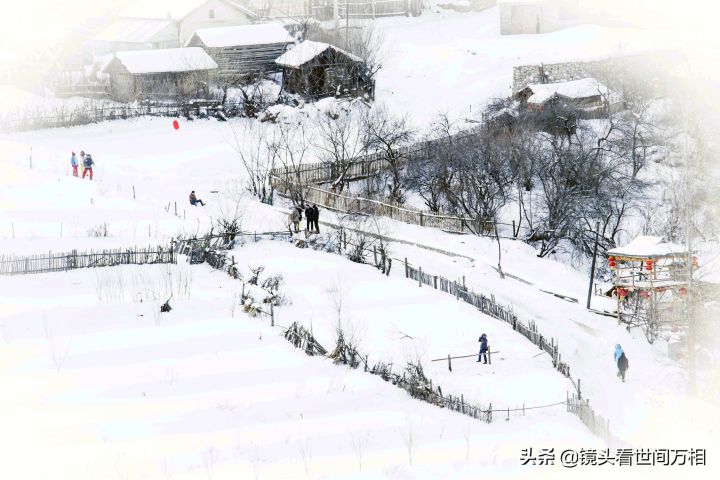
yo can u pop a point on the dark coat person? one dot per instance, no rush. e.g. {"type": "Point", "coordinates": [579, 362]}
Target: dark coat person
{"type": "Point", "coordinates": [623, 366]}
{"type": "Point", "coordinates": [483, 348]}
{"type": "Point", "coordinates": [194, 200]}
{"type": "Point", "coordinates": [309, 215]}
{"type": "Point", "coordinates": [316, 217]}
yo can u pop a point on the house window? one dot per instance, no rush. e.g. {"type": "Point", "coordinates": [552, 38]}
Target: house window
{"type": "Point", "coordinates": [211, 13]}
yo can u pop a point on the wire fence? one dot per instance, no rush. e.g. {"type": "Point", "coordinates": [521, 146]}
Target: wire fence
{"type": "Point", "coordinates": [62, 262]}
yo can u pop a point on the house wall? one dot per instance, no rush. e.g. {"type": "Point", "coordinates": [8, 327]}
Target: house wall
{"type": "Point", "coordinates": [225, 16]}
{"type": "Point", "coordinates": [122, 86]}
{"type": "Point", "coordinates": [246, 60]}
{"type": "Point", "coordinates": [537, 17]}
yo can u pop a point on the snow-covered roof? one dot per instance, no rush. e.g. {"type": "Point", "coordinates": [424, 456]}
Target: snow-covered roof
{"type": "Point", "coordinates": [133, 30]}
{"type": "Point", "coordinates": [267, 33]}
{"type": "Point", "coordinates": [166, 60]}
{"type": "Point", "coordinates": [648, 246]}
{"type": "Point", "coordinates": [173, 9]}
{"type": "Point", "coordinates": [306, 51]}
{"type": "Point", "coordinates": [583, 88]}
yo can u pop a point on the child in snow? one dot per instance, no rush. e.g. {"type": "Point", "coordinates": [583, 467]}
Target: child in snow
{"type": "Point", "coordinates": [88, 163]}
{"type": "Point", "coordinates": [194, 200]}
{"type": "Point", "coordinates": [483, 348]}
{"type": "Point", "coordinates": [296, 218]}
{"type": "Point", "coordinates": [74, 164]}
{"type": "Point", "coordinates": [82, 162]}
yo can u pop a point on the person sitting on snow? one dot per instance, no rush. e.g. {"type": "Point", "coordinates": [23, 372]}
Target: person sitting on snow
{"type": "Point", "coordinates": [194, 200]}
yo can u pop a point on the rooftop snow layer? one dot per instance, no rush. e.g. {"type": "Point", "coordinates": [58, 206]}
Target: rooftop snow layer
{"type": "Point", "coordinates": [133, 30]}
{"type": "Point", "coordinates": [171, 9]}
{"type": "Point", "coordinates": [267, 33]}
{"type": "Point", "coordinates": [586, 87]}
{"type": "Point", "coordinates": [648, 246]}
{"type": "Point", "coordinates": [166, 60]}
{"type": "Point", "coordinates": [306, 51]}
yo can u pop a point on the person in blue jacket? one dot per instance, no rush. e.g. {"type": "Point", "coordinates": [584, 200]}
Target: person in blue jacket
{"type": "Point", "coordinates": [74, 164]}
{"type": "Point", "coordinates": [621, 361]}
{"type": "Point", "coordinates": [483, 348]}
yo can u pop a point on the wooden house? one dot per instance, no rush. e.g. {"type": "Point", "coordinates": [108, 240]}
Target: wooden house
{"type": "Point", "coordinates": [177, 73]}
{"type": "Point", "coordinates": [243, 51]}
{"type": "Point", "coordinates": [168, 23]}
{"type": "Point", "coordinates": [587, 95]}
{"type": "Point", "coordinates": [316, 70]}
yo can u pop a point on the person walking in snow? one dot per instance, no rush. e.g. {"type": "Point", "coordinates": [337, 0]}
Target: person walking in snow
{"type": "Point", "coordinates": [621, 361]}
{"type": "Point", "coordinates": [483, 348]}
{"type": "Point", "coordinates": [623, 366]}
{"type": "Point", "coordinates": [316, 217]}
{"type": "Point", "coordinates": [194, 200]}
{"type": "Point", "coordinates": [88, 162]}
{"type": "Point", "coordinates": [74, 164]}
{"type": "Point", "coordinates": [309, 213]}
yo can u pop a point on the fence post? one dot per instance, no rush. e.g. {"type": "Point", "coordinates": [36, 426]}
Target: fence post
{"type": "Point", "coordinates": [176, 209]}
{"type": "Point", "coordinates": [272, 315]}
{"type": "Point", "coordinates": [464, 283]}
{"type": "Point", "coordinates": [419, 276]}
{"type": "Point", "coordinates": [449, 363]}
{"type": "Point", "coordinates": [407, 274]}
{"type": "Point", "coordinates": [133, 192]}
{"type": "Point", "coordinates": [457, 291]}
{"type": "Point", "coordinates": [435, 281]}
{"type": "Point", "coordinates": [421, 220]}
{"type": "Point", "coordinates": [579, 391]}
{"type": "Point", "coordinates": [489, 356]}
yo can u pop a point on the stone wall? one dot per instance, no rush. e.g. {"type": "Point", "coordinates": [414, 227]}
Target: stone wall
{"type": "Point", "coordinates": [525, 75]}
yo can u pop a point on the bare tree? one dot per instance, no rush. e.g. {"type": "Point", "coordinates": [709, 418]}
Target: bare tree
{"type": "Point", "coordinates": [249, 140]}
{"type": "Point", "coordinates": [287, 147]}
{"type": "Point", "coordinates": [341, 140]}
{"type": "Point", "coordinates": [388, 135]}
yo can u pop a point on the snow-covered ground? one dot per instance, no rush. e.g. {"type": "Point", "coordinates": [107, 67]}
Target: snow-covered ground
{"type": "Point", "coordinates": [103, 387]}
{"type": "Point", "coordinates": [99, 386]}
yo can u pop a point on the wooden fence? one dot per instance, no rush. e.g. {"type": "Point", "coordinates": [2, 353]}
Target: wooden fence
{"type": "Point", "coordinates": [576, 405]}
{"type": "Point", "coordinates": [99, 112]}
{"type": "Point", "coordinates": [62, 262]}
{"type": "Point", "coordinates": [417, 385]}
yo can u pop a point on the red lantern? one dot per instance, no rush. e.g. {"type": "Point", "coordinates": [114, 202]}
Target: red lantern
{"type": "Point", "coordinates": [648, 265]}
{"type": "Point", "coordinates": [176, 124]}
{"type": "Point", "coordinates": [622, 293]}
{"type": "Point", "coordinates": [612, 264]}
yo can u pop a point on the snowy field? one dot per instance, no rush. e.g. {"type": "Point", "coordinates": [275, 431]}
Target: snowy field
{"type": "Point", "coordinates": [98, 385]}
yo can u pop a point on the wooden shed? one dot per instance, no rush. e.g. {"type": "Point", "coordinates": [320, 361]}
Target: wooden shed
{"type": "Point", "coordinates": [177, 73]}
{"type": "Point", "coordinates": [244, 50]}
{"type": "Point", "coordinates": [587, 95]}
{"type": "Point", "coordinates": [316, 70]}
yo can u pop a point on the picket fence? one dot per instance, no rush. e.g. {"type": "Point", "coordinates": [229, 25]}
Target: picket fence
{"type": "Point", "coordinates": [62, 262]}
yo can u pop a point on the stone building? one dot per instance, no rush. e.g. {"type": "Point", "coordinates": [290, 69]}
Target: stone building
{"type": "Point", "coordinates": [537, 16]}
